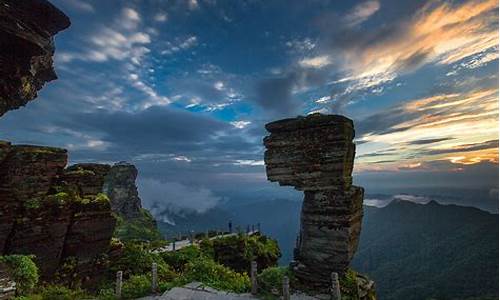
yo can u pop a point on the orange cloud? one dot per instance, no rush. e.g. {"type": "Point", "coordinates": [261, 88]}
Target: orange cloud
{"type": "Point", "coordinates": [463, 129]}
{"type": "Point", "coordinates": [438, 33]}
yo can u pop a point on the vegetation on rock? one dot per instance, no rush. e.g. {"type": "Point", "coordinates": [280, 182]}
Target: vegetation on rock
{"type": "Point", "coordinates": [237, 252]}
{"type": "Point", "coordinates": [207, 271]}
{"type": "Point", "coordinates": [271, 281]}
{"type": "Point", "coordinates": [23, 270]}
{"type": "Point", "coordinates": [142, 227]}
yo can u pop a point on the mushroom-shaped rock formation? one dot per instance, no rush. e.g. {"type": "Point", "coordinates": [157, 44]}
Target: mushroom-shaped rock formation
{"type": "Point", "coordinates": [315, 154]}
{"type": "Point", "coordinates": [27, 28]}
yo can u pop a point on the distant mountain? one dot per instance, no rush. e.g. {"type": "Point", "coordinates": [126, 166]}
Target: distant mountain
{"type": "Point", "coordinates": [484, 199]}
{"type": "Point", "coordinates": [430, 251]}
{"type": "Point", "coordinates": [412, 251]}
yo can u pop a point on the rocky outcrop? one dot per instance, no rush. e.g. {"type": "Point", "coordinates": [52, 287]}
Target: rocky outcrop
{"type": "Point", "coordinates": [120, 187]}
{"type": "Point", "coordinates": [47, 210]}
{"type": "Point", "coordinates": [27, 30]}
{"type": "Point", "coordinates": [315, 154]}
{"type": "Point", "coordinates": [57, 214]}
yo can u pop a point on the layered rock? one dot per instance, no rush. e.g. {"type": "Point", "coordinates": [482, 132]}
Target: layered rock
{"type": "Point", "coordinates": [120, 187]}
{"type": "Point", "coordinates": [47, 211]}
{"type": "Point", "coordinates": [315, 154]}
{"type": "Point", "coordinates": [27, 30]}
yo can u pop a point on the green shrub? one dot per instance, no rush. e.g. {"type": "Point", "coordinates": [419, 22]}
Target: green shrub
{"type": "Point", "coordinates": [349, 284]}
{"type": "Point", "coordinates": [271, 279]}
{"type": "Point", "coordinates": [106, 294]}
{"type": "Point", "coordinates": [179, 259]}
{"type": "Point", "coordinates": [136, 286]}
{"type": "Point", "coordinates": [209, 272]}
{"type": "Point", "coordinates": [23, 271]}
{"type": "Point", "coordinates": [32, 297]}
{"type": "Point", "coordinates": [56, 292]}
{"type": "Point", "coordinates": [137, 259]}
{"type": "Point", "coordinates": [102, 198]}
{"type": "Point", "coordinates": [237, 252]}
{"type": "Point", "coordinates": [142, 228]}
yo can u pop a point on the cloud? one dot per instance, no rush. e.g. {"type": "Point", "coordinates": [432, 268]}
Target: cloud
{"type": "Point", "coordinates": [241, 124]}
{"type": "Point", "coordinates": [315, 62]}
{"type": "Point", "coordinates": [357, 61]}
{"type": "Point", "coordinates": [459, 127]}
{"type": "Point", "coordinates": [301, 45]}
{"type": "Point", "coordinates": [153, 99]}
{"type": "Point", "coordinates": [193, 4]}
{"type": "Point", "coordinates": [130, 18]}
{"type": "Point", "coordinates": [81, 5]}
{"type": "Point", "coordinates": [155, 128]}
{"type": "Point", "coordinates": [276, 94]}
{"type": "Point", "coordinates": [429, 141]}
{"type": "Point", "coordinates": [487, 145]}
{"type": "Point", "coordinates": [163, 197]}
{"type": "Point", "coordinates": [361, 12]}
{"type": "Point", "coordinates": [179, 45]}
{"type": "Point", "coordinates": [437, 33]}
{"type": "Point", "coordinates": [161, 17]}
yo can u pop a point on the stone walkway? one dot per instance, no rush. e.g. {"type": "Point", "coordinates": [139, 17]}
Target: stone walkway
{"type": "Point", "coordinates": [197, 291]}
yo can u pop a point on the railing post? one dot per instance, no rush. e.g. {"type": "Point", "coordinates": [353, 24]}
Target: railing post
{"type": "Point", "coordinates": [335, 286]}
{"type": "Point", "coordinates": [253, 277]}
{"type": "Point", "coordinates": [230, 225]}
{"type": "Point", "coordinates": [154, 278]}
{"type": "Point", "coordinates": [118, 288]}
{"type": "Point", "coordinates": [173, 245]}
{"type": "Point", "coordinates": [286, 288]}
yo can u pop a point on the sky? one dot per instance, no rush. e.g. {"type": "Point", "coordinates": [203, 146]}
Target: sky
{"type": "Point", "coordinates": [183, 89]}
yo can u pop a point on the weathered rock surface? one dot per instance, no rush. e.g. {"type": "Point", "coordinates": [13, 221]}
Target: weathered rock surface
{"type": "Point", "coordinates": [27, 30]}
{"type": "Point", "coordinates": [315, 154]}
{"type": "Point", "coordinates": [120, 187]}
{"type": "Point", "coordinates": [47, 211]}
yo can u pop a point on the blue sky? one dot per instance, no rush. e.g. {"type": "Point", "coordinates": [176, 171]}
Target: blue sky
{"type": "Point", "coordinates": [184, 88]}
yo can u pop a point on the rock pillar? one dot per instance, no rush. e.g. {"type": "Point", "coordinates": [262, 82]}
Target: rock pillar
{"type": "Point", "coordinates": [315, 154]}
